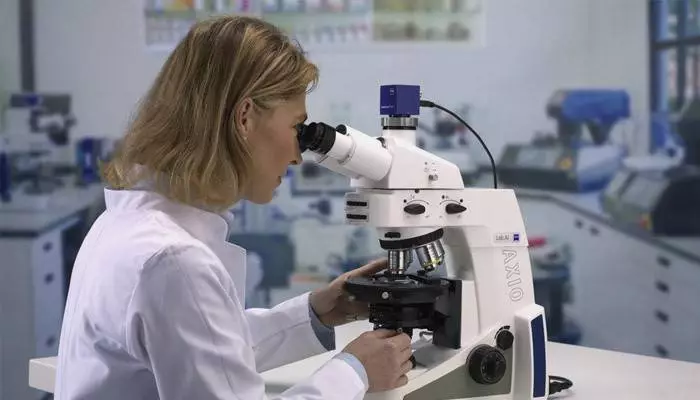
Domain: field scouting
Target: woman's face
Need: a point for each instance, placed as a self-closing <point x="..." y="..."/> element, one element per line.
<point x="272" y="137"/>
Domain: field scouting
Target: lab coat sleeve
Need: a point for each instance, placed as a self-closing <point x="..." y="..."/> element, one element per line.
<point x="324" y="334"/>
<point x="286" y="326"/>
<point x="183" y="325"/>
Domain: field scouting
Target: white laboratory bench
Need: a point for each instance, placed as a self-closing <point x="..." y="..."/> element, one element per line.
<point x="625" y="280"/>
<point x="32" y="288"/>
<point x="597" y="374"/>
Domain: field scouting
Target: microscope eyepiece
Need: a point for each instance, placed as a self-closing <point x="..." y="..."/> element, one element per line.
<point x="316" y="136"/>
<point x="345" y="150"/>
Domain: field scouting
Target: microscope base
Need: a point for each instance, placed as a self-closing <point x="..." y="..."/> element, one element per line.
<point x="442" y="373"/>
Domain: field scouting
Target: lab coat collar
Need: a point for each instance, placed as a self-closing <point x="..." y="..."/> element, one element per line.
<point x="210" y="227"/>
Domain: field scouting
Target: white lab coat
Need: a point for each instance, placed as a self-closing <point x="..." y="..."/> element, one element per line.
<point x="155" y="312"/>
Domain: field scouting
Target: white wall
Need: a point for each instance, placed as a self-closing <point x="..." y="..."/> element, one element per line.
<point x="619" y="56"/>
<point x="10" y="77"/>
<point x="95" y="50"/>
<point x="529" y="53"/>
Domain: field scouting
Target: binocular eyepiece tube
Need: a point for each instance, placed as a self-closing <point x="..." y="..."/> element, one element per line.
<point x="345" y="150"/>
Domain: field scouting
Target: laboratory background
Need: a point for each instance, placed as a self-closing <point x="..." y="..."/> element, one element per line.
<point x="590" y="108"/>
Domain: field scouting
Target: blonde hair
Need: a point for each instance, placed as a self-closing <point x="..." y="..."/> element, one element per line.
<point x="184" y="138"/>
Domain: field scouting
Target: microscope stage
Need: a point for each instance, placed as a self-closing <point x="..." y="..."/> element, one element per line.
<point x="396" y="290"/>
<point x="404" y="302"/>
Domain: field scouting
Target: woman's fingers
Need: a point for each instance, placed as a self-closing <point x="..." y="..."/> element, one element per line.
<point x="370" y="268"/>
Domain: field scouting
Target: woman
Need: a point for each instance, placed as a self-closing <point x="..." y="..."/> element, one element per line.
<point x="155" y="303"/>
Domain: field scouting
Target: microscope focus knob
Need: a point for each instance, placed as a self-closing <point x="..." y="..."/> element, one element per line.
<point x="414" y="209"/>
<point x="454" y="208"/>
<point x="487" y="365"/>
<point x="504" y="339"/>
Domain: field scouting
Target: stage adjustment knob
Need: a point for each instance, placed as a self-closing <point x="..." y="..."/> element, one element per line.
<point x="414" y="209"/>
<point x="486" y="365"/>
<point x="454" y="208"/>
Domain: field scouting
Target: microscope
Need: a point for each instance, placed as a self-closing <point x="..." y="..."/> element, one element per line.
<point x="480" y="333"/>
<point x="32" y="142"/>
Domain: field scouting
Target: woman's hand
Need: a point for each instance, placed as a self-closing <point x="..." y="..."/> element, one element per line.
<point x="334" y="306"/>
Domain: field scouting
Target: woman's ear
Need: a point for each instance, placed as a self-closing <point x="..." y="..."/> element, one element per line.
<point x="245" y="117"/>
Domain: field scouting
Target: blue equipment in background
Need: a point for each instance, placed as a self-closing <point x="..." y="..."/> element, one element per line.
<point x="552" y="260"/>
<point x="5" y="175"/>
<point x="87" y="159"/>
<point x="567" y="161"/>
<point x="660" y="193"/>
<point x="597" y="110"/>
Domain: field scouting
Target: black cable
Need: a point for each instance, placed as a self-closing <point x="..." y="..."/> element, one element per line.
<point x="558" y="384"/>
<point x="428" y="103"/>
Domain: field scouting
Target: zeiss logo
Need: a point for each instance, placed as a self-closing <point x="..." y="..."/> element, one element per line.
<point x="507" y="238"/>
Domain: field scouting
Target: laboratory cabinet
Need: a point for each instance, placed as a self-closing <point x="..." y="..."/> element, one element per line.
<point x="612" y="285"/>
<point x="32" y="297"/>
<point x="655" y="284"/>
<point x="630" y="294"/>
<point x="676" y="317"/>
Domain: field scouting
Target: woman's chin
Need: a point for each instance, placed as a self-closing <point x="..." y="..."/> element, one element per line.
<point x="262" y="196"/>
